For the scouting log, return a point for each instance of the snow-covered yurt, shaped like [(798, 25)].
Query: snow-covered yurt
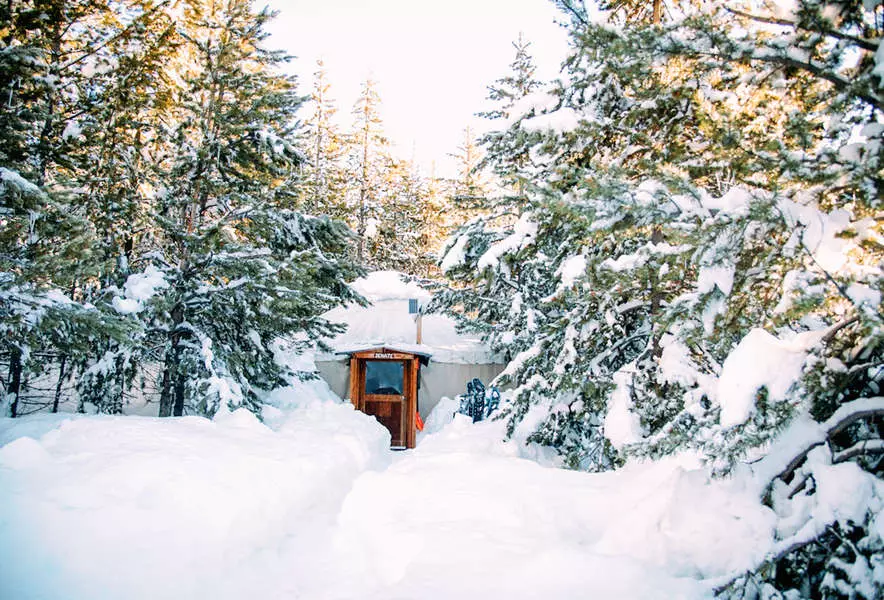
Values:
[(448, 359)]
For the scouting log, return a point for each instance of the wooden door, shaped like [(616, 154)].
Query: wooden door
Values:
[(390, 411), (385, 396)]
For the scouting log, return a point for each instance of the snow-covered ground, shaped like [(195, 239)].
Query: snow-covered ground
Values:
[(313, 505)]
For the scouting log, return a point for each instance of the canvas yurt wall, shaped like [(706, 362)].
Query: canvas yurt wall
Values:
[(455, 358)]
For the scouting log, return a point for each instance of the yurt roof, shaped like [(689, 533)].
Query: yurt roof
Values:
[(386, 323)]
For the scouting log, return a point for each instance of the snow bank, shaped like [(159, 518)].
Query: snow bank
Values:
[(301, 391), (315, 506), (759, 360), (133, 507), (34, 426), (389, 285), (387, 322), (138, 289), (464, 517), (441, 415)]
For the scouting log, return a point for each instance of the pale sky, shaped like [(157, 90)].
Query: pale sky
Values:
[(432, 59)]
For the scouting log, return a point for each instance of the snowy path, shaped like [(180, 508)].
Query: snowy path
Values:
[(463, 517), (318, 508)]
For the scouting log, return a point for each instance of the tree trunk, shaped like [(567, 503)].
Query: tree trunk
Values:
[(166, 393), (178, 408), (172, 398), (658, 11), (58, 384), (14, 388)]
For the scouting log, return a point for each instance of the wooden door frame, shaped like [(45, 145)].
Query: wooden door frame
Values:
[(411, 370)]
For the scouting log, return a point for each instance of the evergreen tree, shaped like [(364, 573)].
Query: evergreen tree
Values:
[(403, 225), (506, 150), (119, 134), (665, 220), (469, 190), (692, 187), (388, 198), (148, 174), (438, 216), (325, 180), (47, 241), (369, 159), (239, 270)]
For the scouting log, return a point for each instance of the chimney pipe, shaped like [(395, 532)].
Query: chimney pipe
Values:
[(415, 309)]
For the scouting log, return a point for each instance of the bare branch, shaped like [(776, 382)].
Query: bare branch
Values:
[(859, 449), (845, 416)]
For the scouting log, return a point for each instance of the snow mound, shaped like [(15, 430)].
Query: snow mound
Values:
[(498, 526), (389, 285), (136, 507), (312, 504), (441, 415), (388, 323), (760, 360)]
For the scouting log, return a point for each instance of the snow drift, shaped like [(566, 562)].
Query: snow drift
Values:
[(316, 506)]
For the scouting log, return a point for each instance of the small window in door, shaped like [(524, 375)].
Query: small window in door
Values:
[(384, 377)]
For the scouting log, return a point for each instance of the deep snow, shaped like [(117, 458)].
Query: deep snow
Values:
[(313, 505), (387, 322)]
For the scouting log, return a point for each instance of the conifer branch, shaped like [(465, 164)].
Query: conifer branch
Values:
[(845, 416), (861, 42), (132, 26), (577, 14)]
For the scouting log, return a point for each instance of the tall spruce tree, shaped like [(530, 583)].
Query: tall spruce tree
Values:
[(325, 178), (48, 241), (369, 159), (239, 270), (148, 176), (403, 223), (698, 189), (506, 150), (119, 134), (469, 190), (666, 218)]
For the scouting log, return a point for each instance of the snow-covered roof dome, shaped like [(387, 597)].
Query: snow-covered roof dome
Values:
[(387, 323)]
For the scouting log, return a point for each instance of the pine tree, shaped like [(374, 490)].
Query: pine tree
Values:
[(506, 150), (469, 190), (324, 177), (403, 227), (47, 238), (153, 142), (693, 186), (369, 159), (664, 222), (119, 134), (239, 269), (437, 215), (388, 198)]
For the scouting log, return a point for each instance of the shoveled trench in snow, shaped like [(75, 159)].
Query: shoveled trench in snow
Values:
[(313, 504)]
